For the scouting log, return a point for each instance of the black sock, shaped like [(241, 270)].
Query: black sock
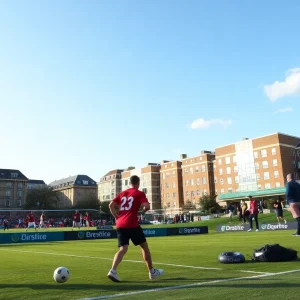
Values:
[(298, 220)]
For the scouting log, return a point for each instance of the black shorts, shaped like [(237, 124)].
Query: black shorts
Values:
[(136, 235), (279, 213)]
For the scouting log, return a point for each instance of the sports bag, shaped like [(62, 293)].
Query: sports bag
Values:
[(274, 253)]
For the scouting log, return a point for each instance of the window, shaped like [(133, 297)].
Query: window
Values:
[(19, 203), (166, 185), (275, 162), (174, 204), (192, 193), (229, 190), (167, 175), (192, 182), (266, 175), (187, 193), (256, 166), (191, 170), (259, 186), (197, 181), (186, 183), (174, 173), (277, 184), (222, 191), (221, 171), (196, 169), (276, 174), (273, 151), (186, 170), (234, 159), (20, 185), (8, 185), (229, 180), (7, 203), (267, 185), (7, 193), (168, 196), (292, 152), (255, 154), (205, 192), (198, 192), (221, 181), (174, 195), (263, 153), (14, 175), (216, 179), (19, 194), (85, 182), (174, 184), (235, 169), (126, 181), (203, 169), (258, 177), (220, 161), (228, 170), (236, 179), (265, 164), (227, 160), (204, 180), (168, 204)]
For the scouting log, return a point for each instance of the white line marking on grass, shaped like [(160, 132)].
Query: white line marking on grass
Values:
[(188, 285), (110, 259), (255, 272)]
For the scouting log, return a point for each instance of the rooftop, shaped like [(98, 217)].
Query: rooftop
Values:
[(12, 174)]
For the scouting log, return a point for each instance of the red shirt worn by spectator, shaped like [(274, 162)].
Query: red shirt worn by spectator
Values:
[(30, 218), (253, 207), (76, 217), (129, 203)]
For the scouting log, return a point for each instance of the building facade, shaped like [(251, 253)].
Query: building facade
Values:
[(255, 166), (74, 190), (197, 177), (171, 185), (13, 188), (110, 185), (149, 182), (35, 184)]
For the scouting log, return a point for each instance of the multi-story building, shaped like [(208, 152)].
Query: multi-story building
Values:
[(197, 176), (255, 166), (110, 185), (35, 184), (74, 190), (171, 184), (150, 182), (13, 187)]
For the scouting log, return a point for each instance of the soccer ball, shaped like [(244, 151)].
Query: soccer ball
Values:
[(61, 275)]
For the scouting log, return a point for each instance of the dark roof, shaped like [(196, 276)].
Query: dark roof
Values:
[(7, 174), (114, 172), (298, 145), (34, 181), (76, 180)]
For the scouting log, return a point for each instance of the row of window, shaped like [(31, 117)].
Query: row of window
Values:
[(9, 185), (8, 203), (259, 187), (8, 193), (188, 193)]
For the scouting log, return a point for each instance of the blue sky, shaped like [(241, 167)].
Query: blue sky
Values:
[(89, 86)]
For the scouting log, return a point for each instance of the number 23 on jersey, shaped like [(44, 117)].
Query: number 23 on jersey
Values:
[(126, 203)]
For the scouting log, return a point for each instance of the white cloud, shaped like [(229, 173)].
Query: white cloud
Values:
[(290, 86), (202, 124), (283, 110)]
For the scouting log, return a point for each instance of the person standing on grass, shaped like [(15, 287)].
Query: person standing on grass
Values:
[(128, 204), (76, 219), (31, 221), (42, 221), (293, 199), (5, 224), (279, 211), (253, 213), (244, 211)]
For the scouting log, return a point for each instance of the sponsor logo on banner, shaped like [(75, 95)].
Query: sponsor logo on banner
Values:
[(265, 226), (81, 235), (224, 228), (98, 235), (271, 226), (30, 237), (149, 232), (190, 230)]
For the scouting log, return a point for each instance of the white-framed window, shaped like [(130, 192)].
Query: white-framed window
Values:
[(174, 184), (204, 180), (7, 193), (273, 151), (196, 169), (20, 185), (265, 164), (222, 191), (235, 169), (168, 196), (229, 190), (229, 180), (276, 174), (266, 175), (220, 161), (275, 162), (227, 160), (255, 154), (228, 170), (205, 192), (216, 179), (221, 171), (19, 203), (264, 153), (85, 182), (236, 179), (259, 186), (221, 180), (258, 177), (197, 181), (192, 182), (267, 185), (191, 170), (186, 183), (234, 158), (277, 184), (173, 173), (256, 166), (8, 185), (203, 168), (198, 193), (186, 170)]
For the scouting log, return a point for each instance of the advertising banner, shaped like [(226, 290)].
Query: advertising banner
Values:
[(155, 232), (232, 228), (262, 226), (29, 237), (89, 235), (187, 230), (276, 226)]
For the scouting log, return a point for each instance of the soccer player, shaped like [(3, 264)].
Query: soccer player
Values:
[(279, 211), (253, 213), (128, 204), (76, 220), (87, 219), (5, 224), (42, 221), (31, 221)]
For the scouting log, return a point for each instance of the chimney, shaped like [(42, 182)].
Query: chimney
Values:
[(165, 161), (183, 156), (245, 139)]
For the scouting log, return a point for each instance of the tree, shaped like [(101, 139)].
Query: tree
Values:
[(41, 198), (189, 205), (105, 207), (209, 203), (91, 202)]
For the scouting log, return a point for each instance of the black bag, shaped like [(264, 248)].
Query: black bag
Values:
[(274, 253)]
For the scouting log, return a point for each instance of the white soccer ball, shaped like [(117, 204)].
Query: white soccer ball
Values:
[(61, 275)]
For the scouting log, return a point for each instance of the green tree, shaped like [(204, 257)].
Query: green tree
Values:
[(91, 202), (209, 203), (105, 207), (189, 205), (41, 198)]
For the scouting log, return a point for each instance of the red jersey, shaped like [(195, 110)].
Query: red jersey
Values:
[(87, 217), (129, 203), (253, 207), (76, 217), (31, 218)]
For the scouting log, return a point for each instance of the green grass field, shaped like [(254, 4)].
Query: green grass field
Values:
[(190, 264)]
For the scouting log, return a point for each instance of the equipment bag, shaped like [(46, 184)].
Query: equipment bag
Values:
[(274, 253)]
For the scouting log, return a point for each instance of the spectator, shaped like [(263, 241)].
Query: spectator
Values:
[(253, 213), (279, 211)]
